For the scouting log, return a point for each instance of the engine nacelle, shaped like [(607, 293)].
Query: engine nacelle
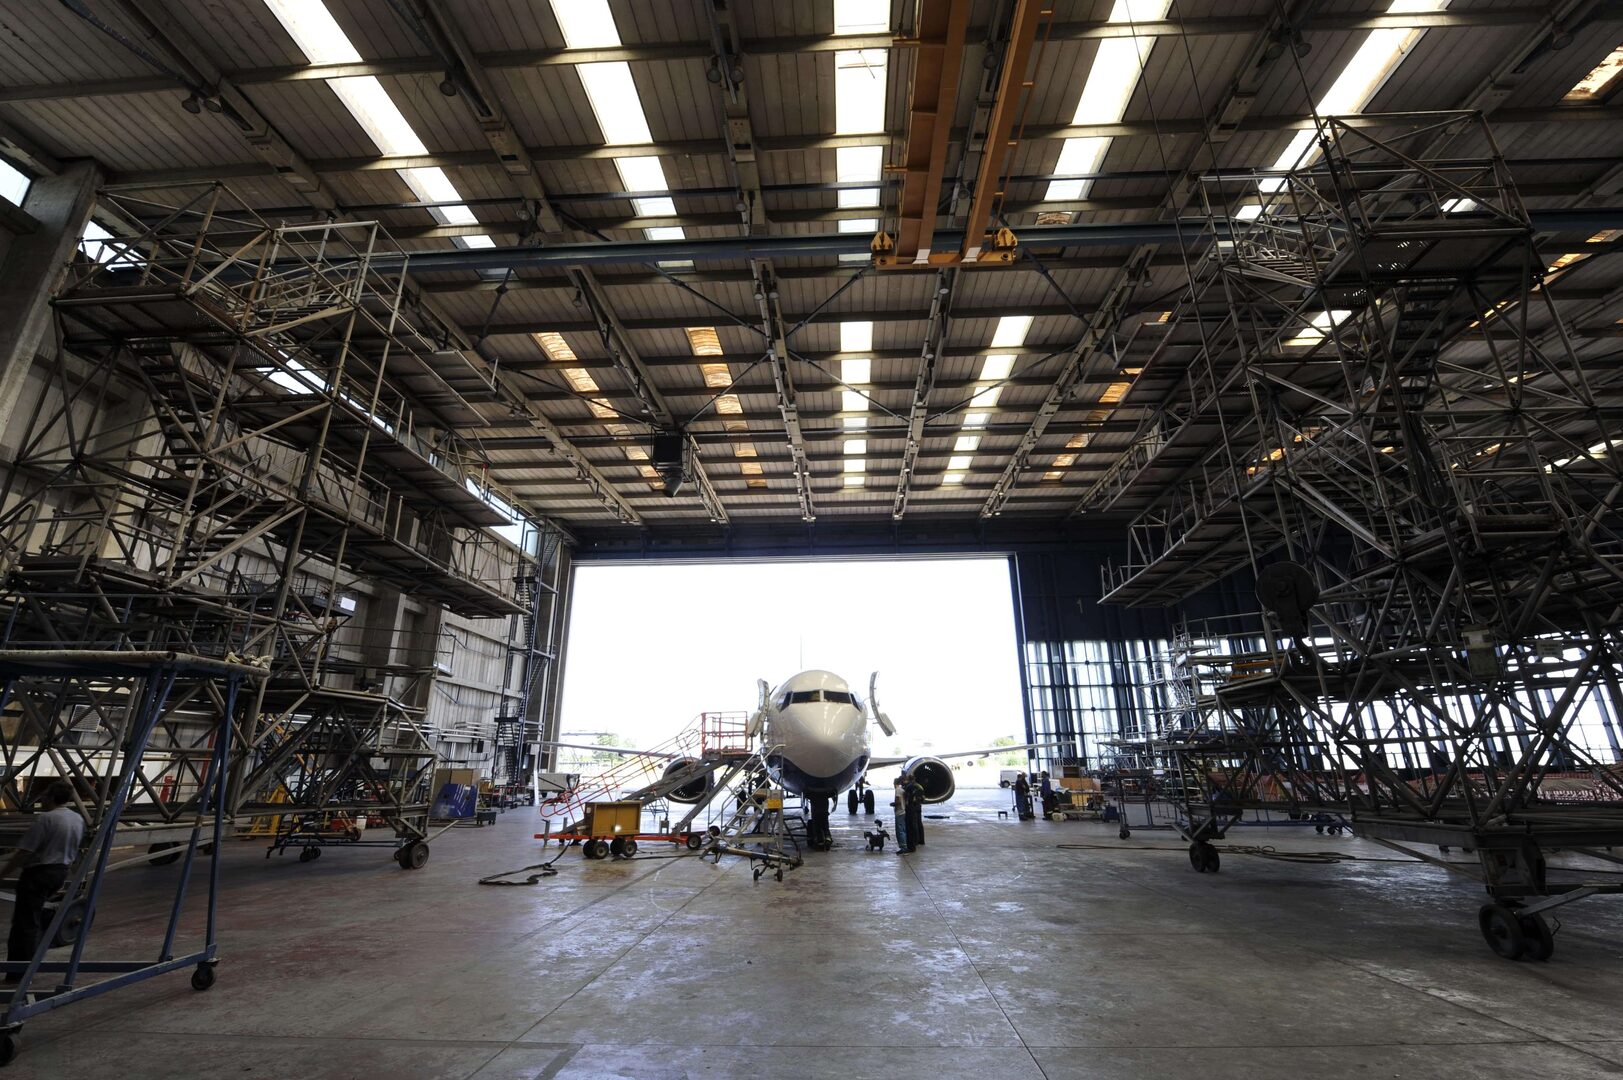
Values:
[(934, 776), (694, 790)]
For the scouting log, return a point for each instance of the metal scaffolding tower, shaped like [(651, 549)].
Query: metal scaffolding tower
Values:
[(1383, 419), (231, 443)]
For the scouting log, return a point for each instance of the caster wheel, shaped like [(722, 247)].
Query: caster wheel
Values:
[(1502, 930), (867, 802), (72, 923), (1197, 857), (165, 860), (1539, 937), (694, 841), (597, 849), (1124, 832), (1211, 857), (851, 801), (1319, 829), (628, 847), (413, 856), (617, 847), (11, 1044), (309, 854), (203, 977)]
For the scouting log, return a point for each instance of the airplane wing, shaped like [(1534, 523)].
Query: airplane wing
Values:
[(611, 749), (883, 762)]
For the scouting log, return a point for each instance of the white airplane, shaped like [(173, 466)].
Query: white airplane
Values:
[(814, 733)]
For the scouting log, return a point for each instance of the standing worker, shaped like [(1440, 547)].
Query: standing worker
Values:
[(899, 805), (1045, 789), (915, 811), (48, 849), (1022, 797)]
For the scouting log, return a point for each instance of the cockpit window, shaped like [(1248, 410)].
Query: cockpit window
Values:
[(800, 697)]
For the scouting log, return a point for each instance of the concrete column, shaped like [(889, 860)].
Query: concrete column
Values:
[(33, 268)]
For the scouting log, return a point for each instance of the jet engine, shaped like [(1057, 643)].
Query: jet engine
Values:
[(695, 789), (934, 776)]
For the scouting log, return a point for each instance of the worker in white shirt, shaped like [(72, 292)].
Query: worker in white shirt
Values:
[(46, 853)]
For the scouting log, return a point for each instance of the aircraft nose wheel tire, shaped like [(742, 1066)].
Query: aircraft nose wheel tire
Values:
[(851, 801), (1502, 930), (867, 802)]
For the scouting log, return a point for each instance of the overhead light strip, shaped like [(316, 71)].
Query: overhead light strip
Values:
[(1109, 87), (589, 24), (323, 41)]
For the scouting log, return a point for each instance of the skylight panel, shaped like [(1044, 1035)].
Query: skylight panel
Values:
[(859, 91), (1064, 461), (856, 447), (717, 376), (856, 337), (729, 405), (1359, 81), (553, 344), (856, 164), (704, 341), (853, 401), (1105, 94), (988, 397), (856, 371), (855, 479), (615, 102), (587, 24), (996, 367), (958, 462), (1011, 331), (1591, 86), (976, 419), (13, 184), (967, 444), (855, 423), (952, 478), (856, 465), (861, 17), (314, 31)]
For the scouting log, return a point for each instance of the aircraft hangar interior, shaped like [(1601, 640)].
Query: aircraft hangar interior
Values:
[(811, 538)]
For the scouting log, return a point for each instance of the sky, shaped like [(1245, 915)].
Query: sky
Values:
[(652, 646)]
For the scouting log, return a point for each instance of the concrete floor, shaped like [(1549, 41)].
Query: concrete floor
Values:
[(991, 954)]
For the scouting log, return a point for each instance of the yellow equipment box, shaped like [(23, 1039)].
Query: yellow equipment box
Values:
[(613, 818)]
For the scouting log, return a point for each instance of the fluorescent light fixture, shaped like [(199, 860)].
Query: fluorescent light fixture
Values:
[(967, 444), (1591, 86), (996, 367), (856, 447), (958, 462), (1358, 82), (856, 337), (856, 372), (1105, 94)]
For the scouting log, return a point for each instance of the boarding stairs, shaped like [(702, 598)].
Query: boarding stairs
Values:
[(758, 829), (713, 742)]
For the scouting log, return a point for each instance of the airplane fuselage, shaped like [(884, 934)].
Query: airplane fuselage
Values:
[(816, 734)]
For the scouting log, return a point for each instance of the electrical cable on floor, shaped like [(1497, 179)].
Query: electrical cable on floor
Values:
[(1260, 851), (547, 869)]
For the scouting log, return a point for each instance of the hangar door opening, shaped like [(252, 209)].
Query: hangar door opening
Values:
[(650, 646)]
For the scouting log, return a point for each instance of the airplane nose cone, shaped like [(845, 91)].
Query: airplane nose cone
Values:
[(821, 738)]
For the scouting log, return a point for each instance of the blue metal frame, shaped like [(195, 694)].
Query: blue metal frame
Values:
[(90, 870)]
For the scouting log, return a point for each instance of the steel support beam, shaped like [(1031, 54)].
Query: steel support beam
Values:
[(772, 325), (918, 409)]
